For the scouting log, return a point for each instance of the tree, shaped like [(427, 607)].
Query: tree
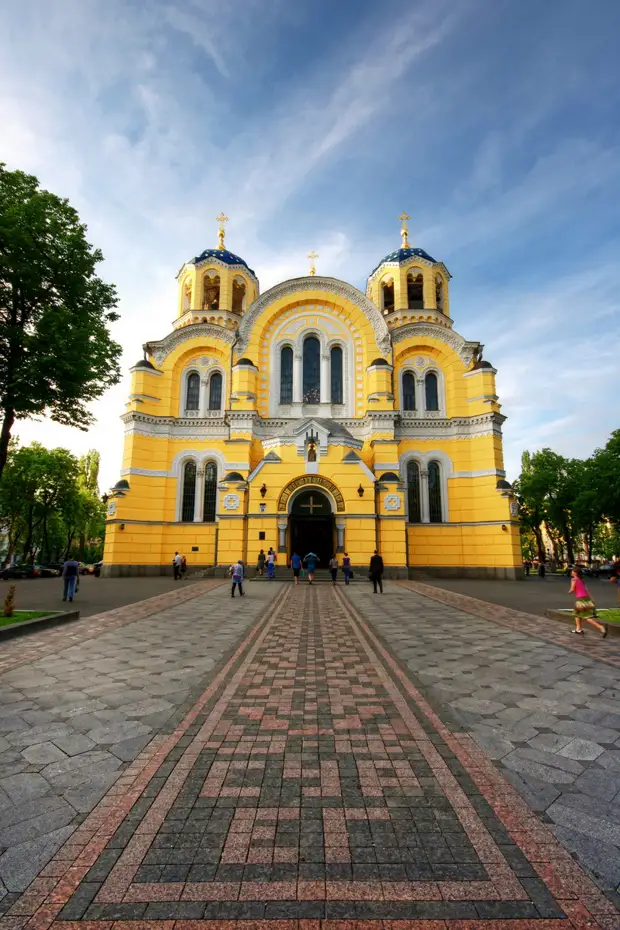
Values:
[(531, 497), (56, 351)]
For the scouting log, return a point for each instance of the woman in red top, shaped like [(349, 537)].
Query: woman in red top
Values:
[(584, 605)]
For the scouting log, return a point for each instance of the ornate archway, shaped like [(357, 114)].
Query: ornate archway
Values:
[(309, 481)]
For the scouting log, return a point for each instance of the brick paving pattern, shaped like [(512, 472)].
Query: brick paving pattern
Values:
[(311, 782)]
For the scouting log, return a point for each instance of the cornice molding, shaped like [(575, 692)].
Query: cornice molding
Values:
[(161, 348), (466, 350), (311, 283)]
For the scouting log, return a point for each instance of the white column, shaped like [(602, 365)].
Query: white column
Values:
[(340, 535), (200, 490), (424, 507), (204, 396), (326, 388), (297, 378), (282, 525)]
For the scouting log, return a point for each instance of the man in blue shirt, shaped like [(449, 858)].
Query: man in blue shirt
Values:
[(69, 577), (311, 560), (296, 566)]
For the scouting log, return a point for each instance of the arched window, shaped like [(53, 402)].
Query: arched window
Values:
[(435, 514), (387, 288), (238, 296), (286, 375), (413, 492), (192, 391), (312, 371), (215, 391), (408, 391), (336, 374), (189, 492), (432, 392), (211, 291), (415, 291), (210, 495), (439, 292)]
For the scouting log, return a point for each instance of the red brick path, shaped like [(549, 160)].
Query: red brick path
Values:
[(312, 785)]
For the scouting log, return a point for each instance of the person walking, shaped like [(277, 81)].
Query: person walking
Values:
[(176, 566), (527, 566), (271, 564), (260, 562), (376, 572), (183, 567), (296, 566), (69, 578), (236, 571), (311, 561), (541, 570), (585, 608), (346, 568), (333, 567)]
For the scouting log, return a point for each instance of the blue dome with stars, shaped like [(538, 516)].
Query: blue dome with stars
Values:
[(222, 255), (404, 255)]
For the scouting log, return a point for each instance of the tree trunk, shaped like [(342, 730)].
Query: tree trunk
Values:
[(5, 436), (539, 543)]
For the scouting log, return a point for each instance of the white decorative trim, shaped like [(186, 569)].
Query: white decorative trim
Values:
[(309, 283), (146, 472), (484, 424), (231, 501), (466, 350), (160, 349), (146, 371), (392, 502), (479, 371), (482, 473)]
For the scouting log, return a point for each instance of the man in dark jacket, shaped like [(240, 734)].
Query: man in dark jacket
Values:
[(376, 571)]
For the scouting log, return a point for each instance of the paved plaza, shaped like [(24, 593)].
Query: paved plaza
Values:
[(307, 755)]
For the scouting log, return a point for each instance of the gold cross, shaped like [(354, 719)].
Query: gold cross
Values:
[(311, 505), (221, 219), (313, 256), (404, 232)]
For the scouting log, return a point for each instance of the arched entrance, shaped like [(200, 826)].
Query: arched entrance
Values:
[(311, 526)]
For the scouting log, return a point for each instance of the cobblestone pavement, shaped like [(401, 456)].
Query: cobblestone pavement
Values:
[(81, 701), (95, 595), (543, 703), (533, 594), (312, 781)]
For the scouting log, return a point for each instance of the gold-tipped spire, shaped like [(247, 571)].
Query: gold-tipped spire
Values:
[(313, 257), (404, 230), (221, 219)]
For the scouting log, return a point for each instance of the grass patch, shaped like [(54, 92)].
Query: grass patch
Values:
[(20, 615), (607, 614)]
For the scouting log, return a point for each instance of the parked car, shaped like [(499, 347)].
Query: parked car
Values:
[(12, 572), (604, 570), (86, 569), (50, 570)]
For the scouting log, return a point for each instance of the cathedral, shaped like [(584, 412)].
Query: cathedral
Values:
[(314, 417)]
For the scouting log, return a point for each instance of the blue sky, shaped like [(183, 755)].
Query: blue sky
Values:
[(313, 124)]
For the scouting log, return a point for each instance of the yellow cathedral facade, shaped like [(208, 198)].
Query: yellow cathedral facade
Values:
[(314, 417)]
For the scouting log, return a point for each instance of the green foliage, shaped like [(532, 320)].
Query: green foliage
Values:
[(56, 352), (49, 503), (577, 501)]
